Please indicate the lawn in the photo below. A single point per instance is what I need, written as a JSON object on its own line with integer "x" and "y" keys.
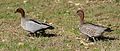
{"x": 62, "y": 15}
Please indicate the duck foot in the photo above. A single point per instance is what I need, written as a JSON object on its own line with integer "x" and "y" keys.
{"x": 30, "y": 34}
{"x": 40, "y": 33}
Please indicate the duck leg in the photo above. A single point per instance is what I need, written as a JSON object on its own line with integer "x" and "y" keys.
{"x": 94, "y": 39}
{"x": 40, "y": 33}
{"x": 43, "y": 32}
{"x": 87, "y": 38}
{"x": 37, "y": 34}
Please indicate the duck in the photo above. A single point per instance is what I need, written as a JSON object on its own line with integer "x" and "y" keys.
{"x": 91, "y": 30}
{"x": 32, "y": 26}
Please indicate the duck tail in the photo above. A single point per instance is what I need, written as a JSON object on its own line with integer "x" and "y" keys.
{"x": 51, "y": 27}
{"x": 108, "y": 30}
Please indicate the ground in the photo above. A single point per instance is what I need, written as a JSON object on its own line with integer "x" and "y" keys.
{"x": 62, "y": 15}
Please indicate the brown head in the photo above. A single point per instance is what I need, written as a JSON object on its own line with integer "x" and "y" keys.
{"x": 81, "y": 14}
{"x": 20, "y": 10}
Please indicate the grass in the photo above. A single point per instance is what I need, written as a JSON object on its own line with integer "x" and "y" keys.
{"x": 62, "y": 14}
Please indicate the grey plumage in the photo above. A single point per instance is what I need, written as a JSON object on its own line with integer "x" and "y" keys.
{"x": 31, "y": 25}
{"x": 90, "y": 30}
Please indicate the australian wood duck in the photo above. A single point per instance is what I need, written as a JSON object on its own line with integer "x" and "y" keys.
{"x": 91, "y": 30}
{"x": 31, "y": 25}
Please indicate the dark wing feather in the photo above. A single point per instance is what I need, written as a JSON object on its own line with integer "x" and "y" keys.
{"x": 49, "y": 26}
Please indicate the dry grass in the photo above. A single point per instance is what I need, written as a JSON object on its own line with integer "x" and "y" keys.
{"x": 62, "y": 14}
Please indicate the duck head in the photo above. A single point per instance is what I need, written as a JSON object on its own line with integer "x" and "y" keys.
{"x": 80, "y": 13}
{"x": 20, "y": 10}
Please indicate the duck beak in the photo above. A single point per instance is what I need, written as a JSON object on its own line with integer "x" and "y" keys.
{"x": 16, "y": 11}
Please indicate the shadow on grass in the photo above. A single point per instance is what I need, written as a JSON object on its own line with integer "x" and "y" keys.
{"x": 49, "y": 35}
{"x": 42, "y": 35}
{"x": 45, "y": 35}
{"x": 103, "y": 38}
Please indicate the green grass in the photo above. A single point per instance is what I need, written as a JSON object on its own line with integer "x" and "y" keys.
{"x": 62, "y": 14}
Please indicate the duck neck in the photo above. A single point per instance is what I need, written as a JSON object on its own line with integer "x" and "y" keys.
{"x": 23, "y": 14}
{"x": 82, "y": 19}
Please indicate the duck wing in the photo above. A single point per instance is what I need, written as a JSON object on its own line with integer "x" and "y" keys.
{"x": 49, "y": 26}
{"x": 106, "y": 30}
{"x": 92, "y": 30}
{"x": 33, "y": 26}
